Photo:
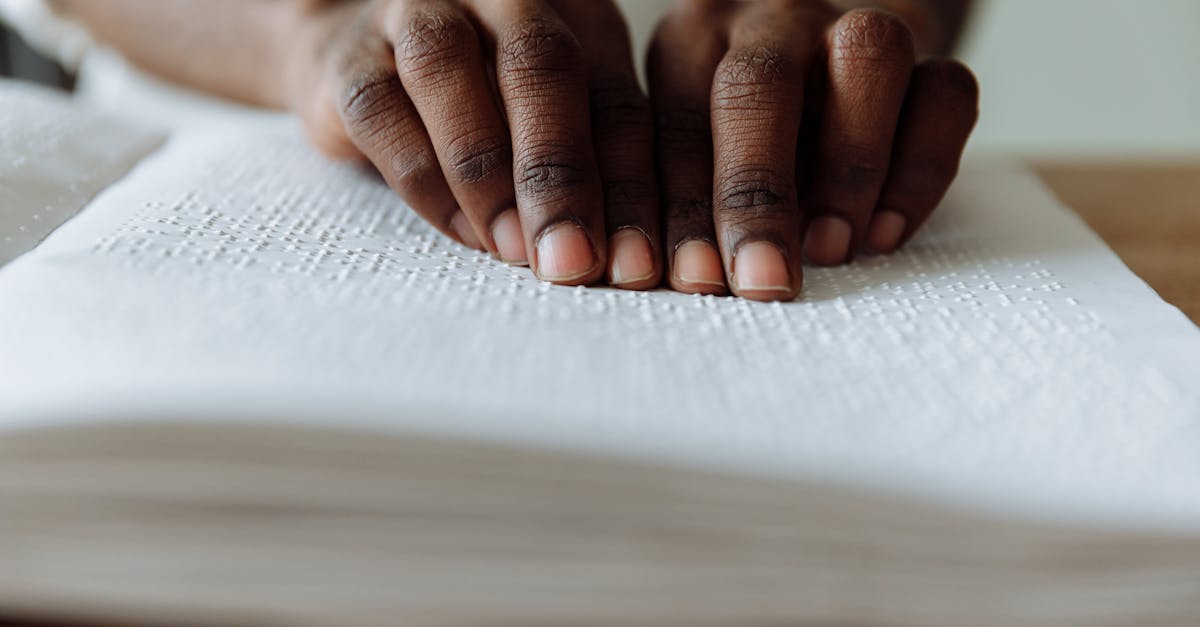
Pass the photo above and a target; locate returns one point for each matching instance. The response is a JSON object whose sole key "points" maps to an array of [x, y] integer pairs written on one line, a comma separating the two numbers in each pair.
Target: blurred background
{"points": [[1103, 79], [1088, 77]]}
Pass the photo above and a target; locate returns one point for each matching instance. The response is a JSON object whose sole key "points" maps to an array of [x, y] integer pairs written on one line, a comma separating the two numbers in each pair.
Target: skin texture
{"points": [[776, 132], [476, 109], [792, 132]]}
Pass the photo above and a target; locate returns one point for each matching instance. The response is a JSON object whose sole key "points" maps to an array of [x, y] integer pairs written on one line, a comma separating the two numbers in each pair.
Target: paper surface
{"points": [[1005, 359], [53, 159]]}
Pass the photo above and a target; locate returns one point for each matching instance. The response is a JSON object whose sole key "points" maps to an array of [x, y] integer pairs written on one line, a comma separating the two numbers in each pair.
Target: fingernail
{"points": [[828, 241], [632, 258], [564, 254], [510, 240], [886, 230], [466, 233], [761, 267], [698, 269]]}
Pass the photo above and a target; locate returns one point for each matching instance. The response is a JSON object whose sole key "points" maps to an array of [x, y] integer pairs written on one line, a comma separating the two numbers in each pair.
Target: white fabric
{"points": [[1006, 358], [60, 39]]}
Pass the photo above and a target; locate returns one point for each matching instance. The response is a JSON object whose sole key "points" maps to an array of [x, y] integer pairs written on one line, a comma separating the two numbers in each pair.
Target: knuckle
{"points": [[752, 75], [432, 39], [412, 172], [550, 171], [365, 99], [540, 45], [371, 121], [873, 35], [754, 192], [475, 161]]}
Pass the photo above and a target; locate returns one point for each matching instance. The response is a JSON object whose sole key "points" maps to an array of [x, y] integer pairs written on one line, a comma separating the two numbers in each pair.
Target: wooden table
{"points": [[1148, 212]]}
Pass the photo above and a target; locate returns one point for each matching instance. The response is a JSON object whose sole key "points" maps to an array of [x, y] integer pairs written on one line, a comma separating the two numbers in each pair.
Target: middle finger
{"points": [[542, 80], [757, 105]]}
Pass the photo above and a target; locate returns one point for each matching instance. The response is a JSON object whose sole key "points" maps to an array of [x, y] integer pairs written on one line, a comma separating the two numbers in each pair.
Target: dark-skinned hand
{"points": [[791, 131], [777, 132]]}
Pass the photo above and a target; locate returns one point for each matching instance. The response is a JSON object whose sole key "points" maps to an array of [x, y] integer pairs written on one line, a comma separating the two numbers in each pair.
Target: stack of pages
{"points": [[240, 384]]}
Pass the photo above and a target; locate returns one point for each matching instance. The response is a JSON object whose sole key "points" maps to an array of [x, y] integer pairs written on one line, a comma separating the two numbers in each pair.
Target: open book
{"points": [[245, 385]]}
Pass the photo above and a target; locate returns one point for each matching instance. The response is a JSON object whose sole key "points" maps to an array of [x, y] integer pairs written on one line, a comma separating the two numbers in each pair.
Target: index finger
{"points": [[542, 80]]}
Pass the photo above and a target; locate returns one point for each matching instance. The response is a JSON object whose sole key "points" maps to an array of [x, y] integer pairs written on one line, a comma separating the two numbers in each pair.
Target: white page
{"points": [[1005, 359], [53, 159]]}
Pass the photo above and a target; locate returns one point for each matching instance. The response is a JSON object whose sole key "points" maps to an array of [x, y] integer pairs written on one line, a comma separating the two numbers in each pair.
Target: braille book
{"points": [[246, 385]]}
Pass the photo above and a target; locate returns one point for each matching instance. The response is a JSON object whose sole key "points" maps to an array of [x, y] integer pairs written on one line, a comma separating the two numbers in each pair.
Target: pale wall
{"points": [[1103, 77]]}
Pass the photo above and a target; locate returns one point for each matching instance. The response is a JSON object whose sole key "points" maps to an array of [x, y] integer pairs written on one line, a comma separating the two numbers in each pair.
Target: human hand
{"points": [[790, 130], [518, 127]]}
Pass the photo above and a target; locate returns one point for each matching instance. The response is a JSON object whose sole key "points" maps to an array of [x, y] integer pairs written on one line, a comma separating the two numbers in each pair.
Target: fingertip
{"points": [[461, 227], [761, 273], [886, 232], [565, 255], [632, 265], [697, 269], [509, 239], [827, 242]]}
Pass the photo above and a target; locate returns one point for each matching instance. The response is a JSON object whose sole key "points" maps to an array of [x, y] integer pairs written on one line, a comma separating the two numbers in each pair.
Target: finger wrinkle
{"points": [[539, 45], [475, 161], [872, 35], [431, 41]]}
